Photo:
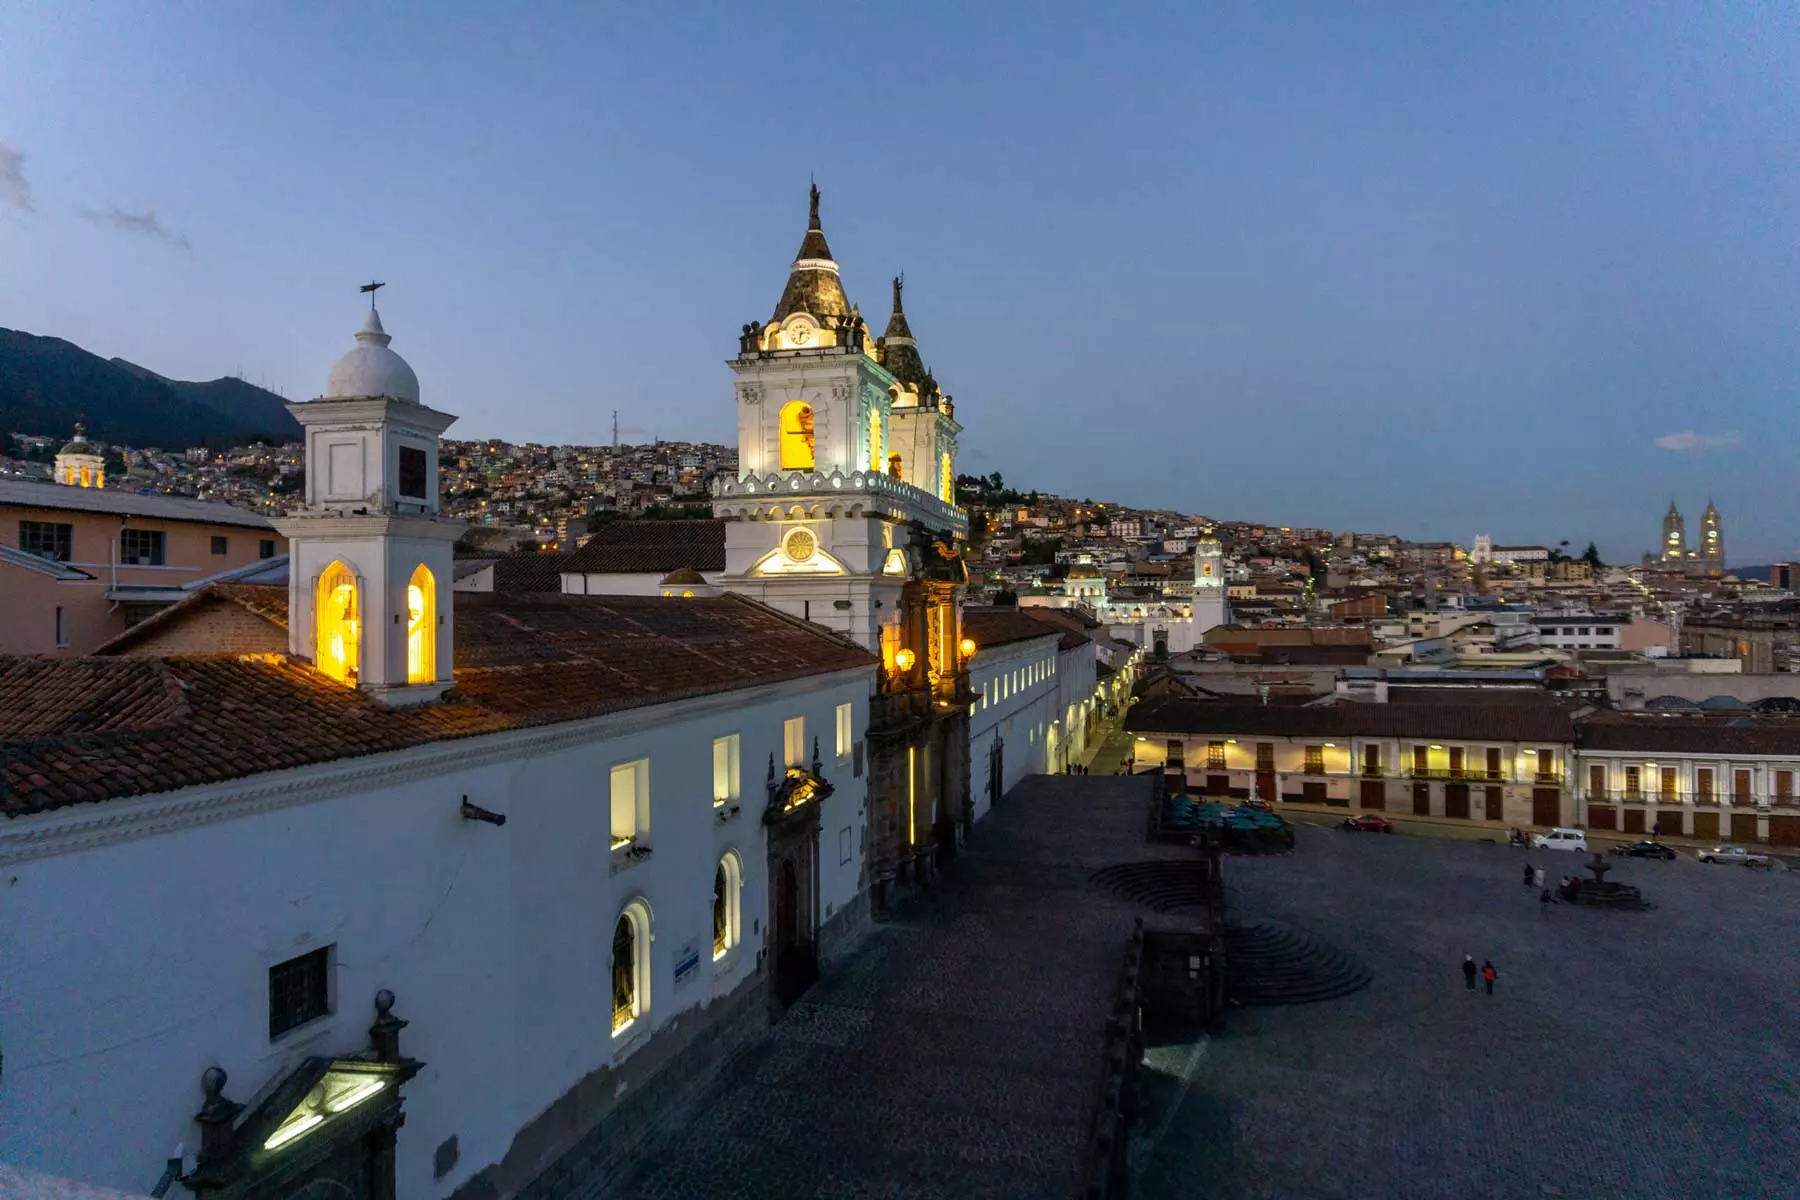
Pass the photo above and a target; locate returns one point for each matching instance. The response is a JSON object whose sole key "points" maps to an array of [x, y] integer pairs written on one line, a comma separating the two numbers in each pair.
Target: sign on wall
{"points": [[687, 961]]}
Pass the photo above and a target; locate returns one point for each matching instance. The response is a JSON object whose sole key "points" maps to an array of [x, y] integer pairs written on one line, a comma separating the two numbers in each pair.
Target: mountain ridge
{"points": [[47, 384]]}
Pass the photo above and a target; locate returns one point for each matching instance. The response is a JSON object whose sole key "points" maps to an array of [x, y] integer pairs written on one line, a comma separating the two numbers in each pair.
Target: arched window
{"points": [[728, 884], [875, 446], [947, 482], [630, 967], [796, 436], [337, 624], [894, 465], [421, 627]]}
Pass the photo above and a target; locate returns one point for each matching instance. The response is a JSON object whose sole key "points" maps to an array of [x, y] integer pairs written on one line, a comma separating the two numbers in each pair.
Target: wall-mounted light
{"points": [[1331, 745], [968, 647], [1435, 746], [904, 659]]}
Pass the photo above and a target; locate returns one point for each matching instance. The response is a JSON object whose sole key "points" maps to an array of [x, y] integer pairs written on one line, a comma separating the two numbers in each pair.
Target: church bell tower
{"points": [[844, 513], [369, 566], [1210, 609]]}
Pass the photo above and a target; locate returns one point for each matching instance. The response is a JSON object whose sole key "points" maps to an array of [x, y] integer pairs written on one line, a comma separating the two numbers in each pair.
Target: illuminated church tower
{"points": [[843, 513], [1712, 542], [369, 558], [1674, 537], [1211, 609]]}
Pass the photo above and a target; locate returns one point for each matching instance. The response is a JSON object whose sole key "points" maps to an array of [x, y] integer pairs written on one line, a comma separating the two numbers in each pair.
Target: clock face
{"points": [[800, 333]]}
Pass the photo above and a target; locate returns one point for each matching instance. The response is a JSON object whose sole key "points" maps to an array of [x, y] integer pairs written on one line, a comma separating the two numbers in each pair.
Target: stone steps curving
{"points": [[1268, 964], [1168, 886]]}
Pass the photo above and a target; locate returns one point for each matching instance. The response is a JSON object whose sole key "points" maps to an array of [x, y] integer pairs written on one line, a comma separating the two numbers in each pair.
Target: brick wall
{"points": [[220, 627]]}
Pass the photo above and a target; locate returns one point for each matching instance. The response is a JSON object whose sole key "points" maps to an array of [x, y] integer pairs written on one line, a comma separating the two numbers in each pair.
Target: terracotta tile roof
{"points": [[90, 729], [1002, 624], [529, 571], [1470, 722], [642, 547], [1728, 732]]}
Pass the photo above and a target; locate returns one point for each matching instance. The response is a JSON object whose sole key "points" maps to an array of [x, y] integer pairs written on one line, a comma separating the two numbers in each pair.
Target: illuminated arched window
{"points": [[630, 967], [875, 446], [728, 882], [894, 465], [421, 627], [337, 624], [946, 482], [87, 477], [796, 436]]}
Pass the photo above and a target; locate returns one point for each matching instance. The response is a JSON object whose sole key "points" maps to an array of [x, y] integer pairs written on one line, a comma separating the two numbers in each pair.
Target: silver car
{"points": [[1736, 854]]}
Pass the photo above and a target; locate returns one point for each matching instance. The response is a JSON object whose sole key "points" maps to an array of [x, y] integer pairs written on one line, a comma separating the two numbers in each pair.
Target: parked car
{"points": [[1646, 850], [1562, 839], [1736, 854], [1367, 823]]}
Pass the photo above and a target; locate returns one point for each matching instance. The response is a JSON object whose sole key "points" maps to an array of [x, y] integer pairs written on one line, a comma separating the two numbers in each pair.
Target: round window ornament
{"points": [[801, 545]]}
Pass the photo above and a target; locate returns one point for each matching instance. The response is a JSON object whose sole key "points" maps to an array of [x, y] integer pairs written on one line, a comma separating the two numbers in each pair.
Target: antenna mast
{"points": [[615, 433]]}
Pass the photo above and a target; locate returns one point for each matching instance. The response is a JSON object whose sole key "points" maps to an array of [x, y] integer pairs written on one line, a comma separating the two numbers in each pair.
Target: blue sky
{"points": [[1432, 269]]}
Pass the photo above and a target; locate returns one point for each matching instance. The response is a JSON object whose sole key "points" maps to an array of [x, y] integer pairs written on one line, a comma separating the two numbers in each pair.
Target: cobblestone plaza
{"points": [[1624, 1055]]}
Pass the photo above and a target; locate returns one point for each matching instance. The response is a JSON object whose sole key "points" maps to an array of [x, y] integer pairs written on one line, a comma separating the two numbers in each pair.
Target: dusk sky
{"points": [[1434, 270]]}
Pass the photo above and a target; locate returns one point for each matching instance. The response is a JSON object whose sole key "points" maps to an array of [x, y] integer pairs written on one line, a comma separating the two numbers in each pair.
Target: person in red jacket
{"points": [[1488, 975]]}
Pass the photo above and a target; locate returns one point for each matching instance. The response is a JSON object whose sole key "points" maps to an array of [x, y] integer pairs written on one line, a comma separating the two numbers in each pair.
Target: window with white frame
{"points": [[728, 886], [845, 733], [725, 769], [793, 741], [630, 803]]}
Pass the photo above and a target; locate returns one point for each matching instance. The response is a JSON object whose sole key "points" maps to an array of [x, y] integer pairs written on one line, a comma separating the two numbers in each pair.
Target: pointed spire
{"points": [[813, 285], [897, 327]]}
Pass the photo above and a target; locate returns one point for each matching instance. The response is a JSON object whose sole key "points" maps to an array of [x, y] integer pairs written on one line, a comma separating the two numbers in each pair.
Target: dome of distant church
{"points": [[371, 369]]}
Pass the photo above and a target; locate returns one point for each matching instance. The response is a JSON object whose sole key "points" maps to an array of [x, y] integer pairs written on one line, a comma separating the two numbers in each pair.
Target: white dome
{"points": [[371, 369]]}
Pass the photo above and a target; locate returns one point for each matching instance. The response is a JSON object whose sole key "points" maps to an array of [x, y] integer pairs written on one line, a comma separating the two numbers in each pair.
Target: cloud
{"points": [[1687, 439], [145, 223], [15, 189]]}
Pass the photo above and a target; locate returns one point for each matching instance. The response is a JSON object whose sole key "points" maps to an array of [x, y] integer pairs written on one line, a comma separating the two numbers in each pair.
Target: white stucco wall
{"points": [[496, 941], [1015, 705]]}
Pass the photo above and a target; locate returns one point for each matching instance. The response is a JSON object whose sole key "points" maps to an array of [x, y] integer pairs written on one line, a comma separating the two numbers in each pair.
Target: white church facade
{"points": [[391, 891]]}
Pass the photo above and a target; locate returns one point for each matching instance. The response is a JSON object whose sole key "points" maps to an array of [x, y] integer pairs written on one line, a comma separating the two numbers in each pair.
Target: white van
{"points": [[1562, 839]]}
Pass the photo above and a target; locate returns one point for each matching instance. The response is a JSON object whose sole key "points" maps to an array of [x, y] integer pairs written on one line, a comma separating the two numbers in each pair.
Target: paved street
{"points": [[957, 1054], [1629, 1055]]}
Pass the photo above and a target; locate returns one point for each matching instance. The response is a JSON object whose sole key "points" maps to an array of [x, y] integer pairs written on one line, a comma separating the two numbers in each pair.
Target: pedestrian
{"points": [[1469, 971], [1544, 900], [1488, 975], [1529, 874], [1541, 877]]}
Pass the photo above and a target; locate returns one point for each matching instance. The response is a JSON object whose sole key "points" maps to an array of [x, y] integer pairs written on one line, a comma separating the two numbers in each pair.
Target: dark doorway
{"points": [[1456, 800], [1422, 799], [996, 772], [1496, 809], [1634, 820], [1374, 793], [1265, 786]]}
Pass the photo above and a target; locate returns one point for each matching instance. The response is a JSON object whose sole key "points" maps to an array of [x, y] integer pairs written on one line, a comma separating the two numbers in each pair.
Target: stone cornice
{"points": [[332, 524], [89, 826], [877, 493]]}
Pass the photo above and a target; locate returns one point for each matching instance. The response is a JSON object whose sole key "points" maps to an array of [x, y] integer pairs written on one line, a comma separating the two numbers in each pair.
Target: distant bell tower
{"points": [[1712, 541], [1211, 608], [1674, 537], [369, 600]]}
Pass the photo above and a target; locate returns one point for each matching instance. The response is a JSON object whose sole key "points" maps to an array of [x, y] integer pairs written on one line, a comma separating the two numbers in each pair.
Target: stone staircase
{"points": [[1268, 964], [1167, 886]]}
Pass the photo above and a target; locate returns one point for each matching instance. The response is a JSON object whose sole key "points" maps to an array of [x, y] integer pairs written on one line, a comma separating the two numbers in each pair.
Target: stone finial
{"points": [[815, 760], [384, 1034], [215, 1117]]}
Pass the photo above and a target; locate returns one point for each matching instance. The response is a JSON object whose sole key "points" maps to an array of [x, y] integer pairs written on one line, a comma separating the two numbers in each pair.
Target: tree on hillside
{"points": [[1591, 556]]}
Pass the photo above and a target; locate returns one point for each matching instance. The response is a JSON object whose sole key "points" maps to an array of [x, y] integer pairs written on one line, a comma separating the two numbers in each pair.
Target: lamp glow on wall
{"points": [[904, 659], [967, 645]]}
